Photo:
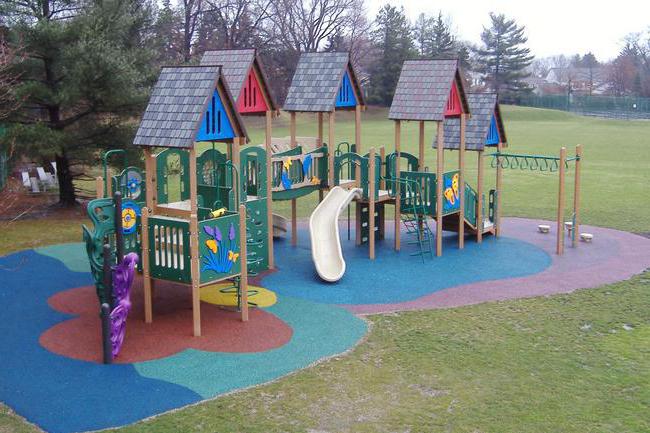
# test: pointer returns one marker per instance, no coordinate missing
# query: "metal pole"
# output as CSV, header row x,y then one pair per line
x,y
107,347
119,236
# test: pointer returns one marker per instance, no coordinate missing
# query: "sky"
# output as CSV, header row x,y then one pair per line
x,y
553,26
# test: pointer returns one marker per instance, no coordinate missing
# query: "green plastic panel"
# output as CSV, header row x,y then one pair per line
x,y
253,171
257,240
294,193
219,247
417,192
169,249
471,204
172,173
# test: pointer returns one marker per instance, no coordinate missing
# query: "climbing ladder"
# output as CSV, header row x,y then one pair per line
x,y
413,205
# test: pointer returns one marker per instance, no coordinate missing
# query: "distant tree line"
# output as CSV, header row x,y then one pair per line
x,y
76,74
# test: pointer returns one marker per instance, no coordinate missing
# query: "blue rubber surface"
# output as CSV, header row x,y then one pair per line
x,y
397,276
64,395
57,393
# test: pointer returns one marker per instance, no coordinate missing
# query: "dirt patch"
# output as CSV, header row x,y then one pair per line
x,y
17,203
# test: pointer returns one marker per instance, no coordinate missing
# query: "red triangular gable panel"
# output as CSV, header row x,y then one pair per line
x,y
250,98
454,106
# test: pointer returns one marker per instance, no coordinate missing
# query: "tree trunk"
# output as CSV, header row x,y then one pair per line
x,y
67,194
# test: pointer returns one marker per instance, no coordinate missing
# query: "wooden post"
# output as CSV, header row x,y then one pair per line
x,y
109,184
357,140
382,168
292,144
421,147
576,196
440,167
479,193
269,182
151,179
560,203
195,261
461,183
499,186
371,202
319,119
331,148
99,187
146,276
243,280
398,217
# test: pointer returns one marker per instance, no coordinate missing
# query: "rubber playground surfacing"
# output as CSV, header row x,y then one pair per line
x,y
52,377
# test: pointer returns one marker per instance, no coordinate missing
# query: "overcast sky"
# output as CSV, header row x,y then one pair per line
x,y
552,26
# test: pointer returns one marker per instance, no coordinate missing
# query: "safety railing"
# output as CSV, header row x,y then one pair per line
x,y
293,170
471,205
169,248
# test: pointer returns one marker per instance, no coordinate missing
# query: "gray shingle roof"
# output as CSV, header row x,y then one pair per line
x,y
317,80
423,89
235,65
176,105
483,105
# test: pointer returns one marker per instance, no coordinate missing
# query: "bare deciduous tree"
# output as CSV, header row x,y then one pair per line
x,y
9,78
305,25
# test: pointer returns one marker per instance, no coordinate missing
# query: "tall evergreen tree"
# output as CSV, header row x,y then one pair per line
x,y
87,72
504,59
442,41
393,40
422,34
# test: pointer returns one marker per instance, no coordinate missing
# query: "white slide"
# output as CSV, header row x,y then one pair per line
x,y
324,230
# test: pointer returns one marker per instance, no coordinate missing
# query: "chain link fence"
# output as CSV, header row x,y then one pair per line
x,y
622,107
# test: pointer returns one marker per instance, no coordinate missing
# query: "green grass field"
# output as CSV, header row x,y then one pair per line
x,y
564,363
615,174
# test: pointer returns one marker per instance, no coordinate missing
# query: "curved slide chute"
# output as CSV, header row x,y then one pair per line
x,y
324,231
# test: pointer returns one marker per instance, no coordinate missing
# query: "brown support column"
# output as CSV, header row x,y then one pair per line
x,y
150,203
146,276
195,270
99,187
398,217
319,119
357,140
499,186
294,217
479,193
461,183
109,184
560,203
576,196
421,147
371,202
269,181
243,281
440,167
331,148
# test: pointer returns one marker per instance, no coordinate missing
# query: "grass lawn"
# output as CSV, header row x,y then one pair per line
x,y
615,178
567,363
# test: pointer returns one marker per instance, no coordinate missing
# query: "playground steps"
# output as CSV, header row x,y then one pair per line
x,y
450,223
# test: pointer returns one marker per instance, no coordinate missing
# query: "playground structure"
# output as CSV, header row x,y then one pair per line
x,y
199,218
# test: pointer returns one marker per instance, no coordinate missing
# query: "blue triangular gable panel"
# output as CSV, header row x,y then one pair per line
x,y
493,134
215,124
345,97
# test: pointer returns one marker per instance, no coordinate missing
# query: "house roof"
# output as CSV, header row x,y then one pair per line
x,y
235,65
423,89
483,105
317,80
177,104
